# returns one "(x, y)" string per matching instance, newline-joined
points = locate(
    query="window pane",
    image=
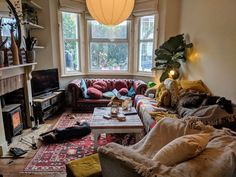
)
(70, 25)
(71, 55)
(145, 56)
(147, 27)
(109, 32)
(109, 56)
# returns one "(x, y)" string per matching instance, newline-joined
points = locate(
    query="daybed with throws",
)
(90, 93)
(174, 148)
(185, 100)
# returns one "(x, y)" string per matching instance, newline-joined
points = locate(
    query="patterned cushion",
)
(172, 86)
(94, 93)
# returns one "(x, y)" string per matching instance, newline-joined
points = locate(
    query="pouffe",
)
(85, 167)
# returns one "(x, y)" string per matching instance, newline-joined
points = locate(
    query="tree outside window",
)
(70, 30)
(108, 47)
(146, 39)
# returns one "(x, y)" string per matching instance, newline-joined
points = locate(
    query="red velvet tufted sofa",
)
(81, 104)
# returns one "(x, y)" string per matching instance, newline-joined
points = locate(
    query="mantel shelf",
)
(17, 66)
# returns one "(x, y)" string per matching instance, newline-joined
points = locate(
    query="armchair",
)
(217, 160)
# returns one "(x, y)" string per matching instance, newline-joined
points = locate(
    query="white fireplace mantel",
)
(8, 73)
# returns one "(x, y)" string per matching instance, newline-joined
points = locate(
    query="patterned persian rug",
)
(53, 157)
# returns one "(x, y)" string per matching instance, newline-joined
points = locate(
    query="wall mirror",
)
(9, 13)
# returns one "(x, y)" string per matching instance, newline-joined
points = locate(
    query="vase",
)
(1, 59)
(30, 56)
(15, 51)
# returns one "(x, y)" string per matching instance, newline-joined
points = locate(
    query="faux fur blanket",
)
(217, 160)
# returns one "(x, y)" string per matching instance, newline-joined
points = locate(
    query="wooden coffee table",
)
(100, 125)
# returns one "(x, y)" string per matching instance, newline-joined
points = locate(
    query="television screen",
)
(44, 81)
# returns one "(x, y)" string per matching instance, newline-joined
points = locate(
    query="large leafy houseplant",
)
(169, 54)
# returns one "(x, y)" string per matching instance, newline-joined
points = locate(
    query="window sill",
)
(109, 73)
(145, 74)
(141, 74)
(73, 74)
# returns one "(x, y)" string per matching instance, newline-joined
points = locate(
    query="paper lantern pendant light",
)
(110, 12)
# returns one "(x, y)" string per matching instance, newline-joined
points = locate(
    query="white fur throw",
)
(217, 160)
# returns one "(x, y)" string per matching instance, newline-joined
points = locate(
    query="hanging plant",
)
(169, 54)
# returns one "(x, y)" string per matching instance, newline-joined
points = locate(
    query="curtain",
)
(145, 7)
(77, 6)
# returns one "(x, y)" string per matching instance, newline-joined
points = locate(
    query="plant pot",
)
(1, 59)
(30, 56)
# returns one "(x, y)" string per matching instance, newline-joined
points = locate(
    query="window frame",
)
(64, 72)
(106, 40)
(146, 41)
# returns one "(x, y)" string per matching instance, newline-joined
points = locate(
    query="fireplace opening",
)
(14, 114)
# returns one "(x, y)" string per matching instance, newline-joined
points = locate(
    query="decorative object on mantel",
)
(29, 44)
(110, 12)
(15, 11)
(14, 49)
(168, 56)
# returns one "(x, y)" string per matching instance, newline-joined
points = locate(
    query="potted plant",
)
(168, 56)
(29, 45)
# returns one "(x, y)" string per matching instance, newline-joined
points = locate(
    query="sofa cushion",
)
(131, 92)
(120, 84)
(100, 85)
(84, 89)
(108, 94)
(172, 86)
(94, 93)
(123, 91)
(182, 148)
(197, 85)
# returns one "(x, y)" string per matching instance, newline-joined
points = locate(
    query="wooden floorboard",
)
(14, 167)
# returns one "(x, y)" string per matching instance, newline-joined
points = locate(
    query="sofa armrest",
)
(122, 160)
(75, 90)
(140, 87)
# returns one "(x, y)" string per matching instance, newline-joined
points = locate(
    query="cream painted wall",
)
(211, 25)
(44, 57)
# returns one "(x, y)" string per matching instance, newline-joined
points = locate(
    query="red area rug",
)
(53, 157)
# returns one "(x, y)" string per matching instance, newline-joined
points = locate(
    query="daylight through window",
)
(70, 31)
(146, 39)
(108, 47)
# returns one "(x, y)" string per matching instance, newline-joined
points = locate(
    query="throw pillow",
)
(108, 94)
(120, 84)
(100, 85)
(197, 85)
(94, 93)
(131, 92)
(151, 84)
(163, 96)
(182, 148)
(123, 91)
(172, 86)
(84, 89)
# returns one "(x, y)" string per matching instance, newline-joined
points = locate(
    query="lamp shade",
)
(110, 12)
